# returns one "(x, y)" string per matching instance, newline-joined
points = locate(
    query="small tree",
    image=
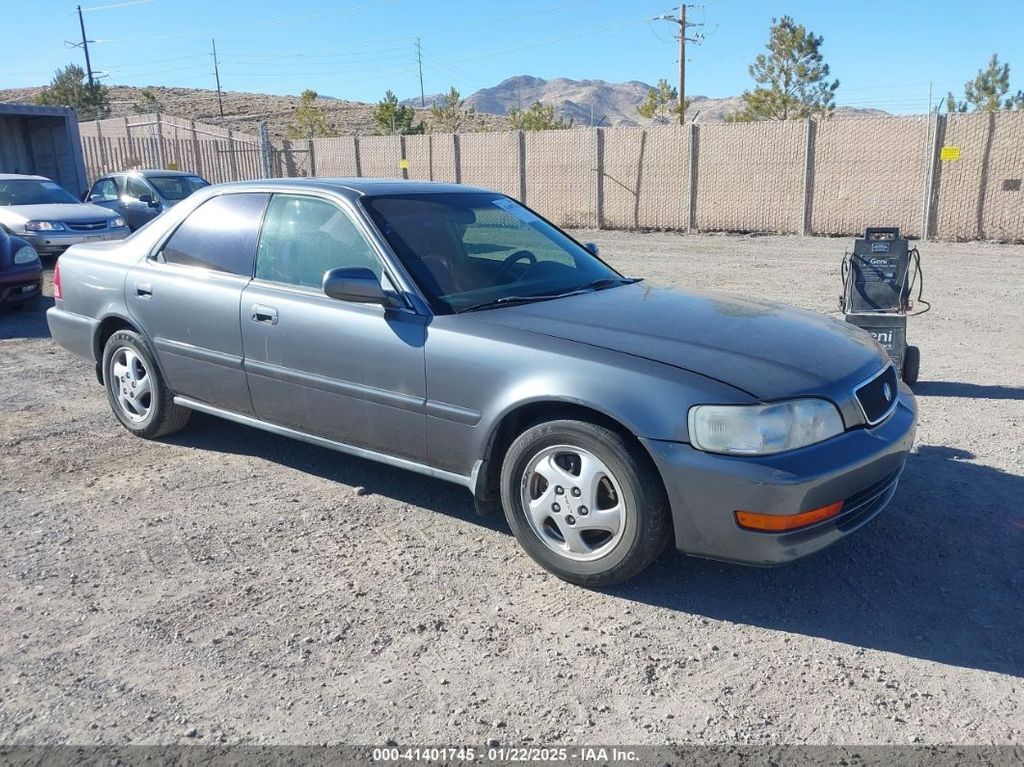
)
(536, 117)
(986, 91)
(310, 120)
(69, 89)
(392, 118)
(451, 113)
(147, 102)
(661, 104)
(952, 105)
(793, 77)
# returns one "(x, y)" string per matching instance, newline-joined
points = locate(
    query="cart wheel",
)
(911, 365)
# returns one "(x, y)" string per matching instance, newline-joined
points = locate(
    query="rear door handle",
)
(143, 290)
(265, 315)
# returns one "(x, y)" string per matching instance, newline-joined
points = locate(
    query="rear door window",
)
(220, 234)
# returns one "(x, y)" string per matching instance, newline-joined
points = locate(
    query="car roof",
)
(161, 172)
(358, 187)
(21, 176)
(147, 172)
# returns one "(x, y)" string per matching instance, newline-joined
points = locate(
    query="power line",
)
(405, 39)
(256, 25)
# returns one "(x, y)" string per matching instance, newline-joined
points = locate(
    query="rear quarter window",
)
(220, 234)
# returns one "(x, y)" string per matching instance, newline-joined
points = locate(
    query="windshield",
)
(177, 187)
(469, 249)
(34, 192)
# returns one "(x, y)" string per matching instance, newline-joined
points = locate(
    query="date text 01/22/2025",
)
(554, 755)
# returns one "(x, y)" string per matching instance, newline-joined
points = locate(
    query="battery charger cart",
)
(878, 280)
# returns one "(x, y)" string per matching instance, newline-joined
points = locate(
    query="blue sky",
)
(884, 53)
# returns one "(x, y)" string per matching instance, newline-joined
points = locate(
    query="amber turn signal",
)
(780, 523)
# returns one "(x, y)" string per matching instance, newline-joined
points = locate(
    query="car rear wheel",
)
(584, 502)
(136, 391)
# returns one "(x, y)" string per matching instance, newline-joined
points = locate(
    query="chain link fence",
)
(953, 177)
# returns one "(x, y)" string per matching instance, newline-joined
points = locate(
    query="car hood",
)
(767, 349)
(81, 211)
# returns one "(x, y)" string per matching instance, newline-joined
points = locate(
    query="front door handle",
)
(144, 290)
(265, 315)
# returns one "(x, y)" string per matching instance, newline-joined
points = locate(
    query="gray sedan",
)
(50, 218)
(139, 196)
(453, 332)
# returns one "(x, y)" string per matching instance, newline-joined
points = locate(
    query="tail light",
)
(56, 281)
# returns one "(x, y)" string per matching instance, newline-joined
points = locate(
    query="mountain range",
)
(595, 102)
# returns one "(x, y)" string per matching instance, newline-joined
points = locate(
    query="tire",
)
(136, 390)
(545, 489)
(911, 365)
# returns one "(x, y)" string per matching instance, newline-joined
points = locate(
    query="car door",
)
(186, 299)
(138, 212)
(346, 371)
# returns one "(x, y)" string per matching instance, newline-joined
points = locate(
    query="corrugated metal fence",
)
(956, 177)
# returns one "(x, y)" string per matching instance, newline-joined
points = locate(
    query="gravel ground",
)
(226, 585)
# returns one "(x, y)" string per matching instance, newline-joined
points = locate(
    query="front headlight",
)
(116, 222)
(44, 226)
(26, 255)
(763, 429)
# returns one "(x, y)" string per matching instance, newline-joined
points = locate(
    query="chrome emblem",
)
(887, 391)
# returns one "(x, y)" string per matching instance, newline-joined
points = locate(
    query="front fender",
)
(479, 374)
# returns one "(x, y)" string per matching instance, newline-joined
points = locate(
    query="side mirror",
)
(357, 284)
(149, 199)
(591, 248)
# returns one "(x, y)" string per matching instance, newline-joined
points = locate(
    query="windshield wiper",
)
(505, 301)
(607, 282)
(599, 284)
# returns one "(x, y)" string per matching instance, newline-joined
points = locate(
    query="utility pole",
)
(682, 62)
(419, 61)
(216, 74)
(683, 40)
(85, 47)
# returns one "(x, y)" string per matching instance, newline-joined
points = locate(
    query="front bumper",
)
(860, 467)
(20, 284)
(55, 243)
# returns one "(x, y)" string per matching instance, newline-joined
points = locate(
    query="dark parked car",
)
(21, 273)
(50, 218)
(139, 196)
(451, 331)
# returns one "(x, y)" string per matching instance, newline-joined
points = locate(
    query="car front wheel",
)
(137, 392)
(584, 502)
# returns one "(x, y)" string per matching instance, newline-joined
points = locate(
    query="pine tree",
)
(536, 117)
(986, 91)
(793, 77)
(392, 118)
(69, 89)
(310, 120)
(450, 114)
(661, 104)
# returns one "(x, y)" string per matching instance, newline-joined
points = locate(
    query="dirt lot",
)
(227, 585)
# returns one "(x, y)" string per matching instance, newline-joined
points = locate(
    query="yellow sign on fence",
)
(949, 153)
(403, 164)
